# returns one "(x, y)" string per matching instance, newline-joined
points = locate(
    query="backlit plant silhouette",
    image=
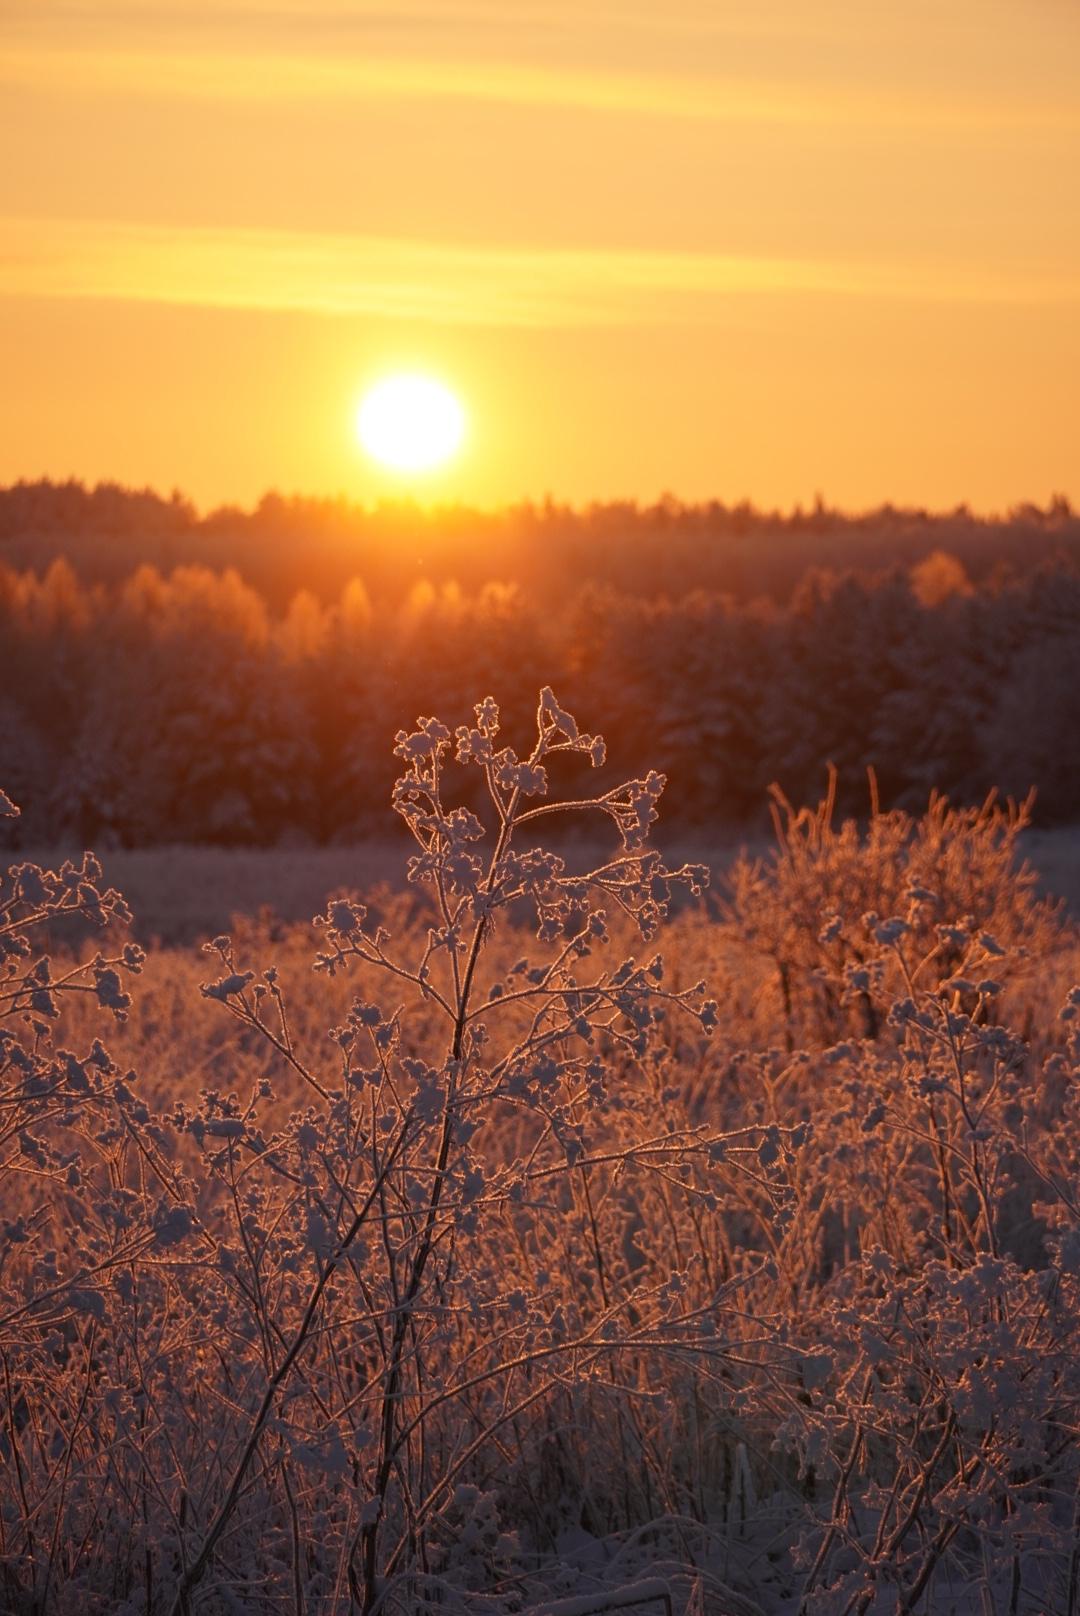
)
(397, 1184)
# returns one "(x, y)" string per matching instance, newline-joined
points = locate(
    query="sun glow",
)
(411, 423)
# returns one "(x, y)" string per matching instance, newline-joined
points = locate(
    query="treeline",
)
(184, 706)
(288, 544)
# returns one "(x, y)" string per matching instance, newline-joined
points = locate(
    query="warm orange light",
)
(411, 423)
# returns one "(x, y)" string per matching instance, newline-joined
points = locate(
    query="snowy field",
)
(184, 894)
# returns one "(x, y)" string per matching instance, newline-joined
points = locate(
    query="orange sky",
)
(725, 249)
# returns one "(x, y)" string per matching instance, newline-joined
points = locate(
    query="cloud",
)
(396, 279)
(280, 75)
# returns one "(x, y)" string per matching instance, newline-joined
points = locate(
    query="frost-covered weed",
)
(934, 1247)
(546, 1272)
(435, 1270)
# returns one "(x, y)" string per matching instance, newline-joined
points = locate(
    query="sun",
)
(410, 423)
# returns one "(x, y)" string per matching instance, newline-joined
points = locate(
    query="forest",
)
(237, 678)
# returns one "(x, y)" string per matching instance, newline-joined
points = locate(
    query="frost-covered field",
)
(559, 1236)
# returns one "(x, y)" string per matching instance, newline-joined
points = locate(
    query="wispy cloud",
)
(279, 75)
(483, 286)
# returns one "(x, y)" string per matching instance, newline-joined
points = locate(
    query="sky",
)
(768, 249)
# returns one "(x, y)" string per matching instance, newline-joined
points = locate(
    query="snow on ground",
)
(181, 894)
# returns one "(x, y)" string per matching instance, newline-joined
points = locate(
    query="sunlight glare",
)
(410, 423)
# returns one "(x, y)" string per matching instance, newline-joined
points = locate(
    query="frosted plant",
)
(425, 1194)
(946, 1424)
(62, 1113)
(519, 1287)
(49, 1097)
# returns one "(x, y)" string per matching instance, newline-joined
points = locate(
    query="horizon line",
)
(1059, 504)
